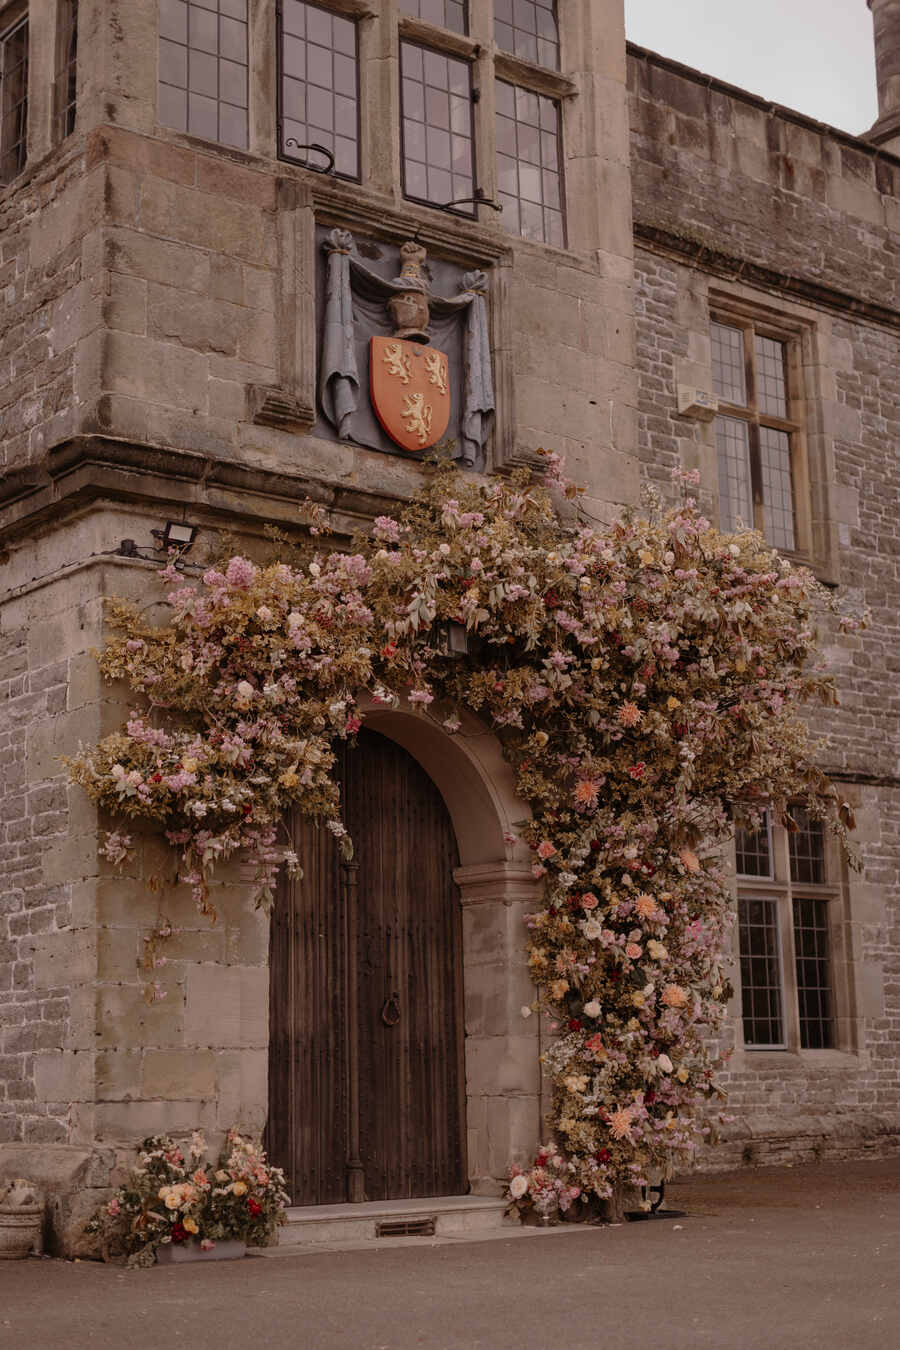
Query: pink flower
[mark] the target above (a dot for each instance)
(630, 715)
(545, 849)
(632, 951)
(423, 696)
(206, 1244)
(240, 572)
(589, 901)
(637, 770)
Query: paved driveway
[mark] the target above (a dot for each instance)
(764, 1260)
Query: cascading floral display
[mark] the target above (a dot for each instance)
(645, 681)
(173, 1194)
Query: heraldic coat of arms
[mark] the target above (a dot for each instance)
(411, 381)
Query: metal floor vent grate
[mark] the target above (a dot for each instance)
(405, 1228)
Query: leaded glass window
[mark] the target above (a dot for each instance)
(529, 164)
(436, 101)
(13, 101)
(64, 85)
(754, 432)
(203, 67)
(319, 87)
(445, 13)
(528, 28)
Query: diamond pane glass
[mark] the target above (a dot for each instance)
(813, 973)
(735, 493)
(528, 164)
(729, 375)
(761, 982)
(529, 29)
(203, 69)
(319, 87)
(445, 13)
(436, 94)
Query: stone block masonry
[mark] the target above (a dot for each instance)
(735, 201)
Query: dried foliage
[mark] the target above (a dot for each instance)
(645, 680)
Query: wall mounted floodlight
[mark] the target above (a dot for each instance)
(177, 535)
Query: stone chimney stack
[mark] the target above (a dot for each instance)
(886, 18)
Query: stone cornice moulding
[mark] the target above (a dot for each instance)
(90, 468)
(707, 258)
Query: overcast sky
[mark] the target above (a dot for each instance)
(816, 56)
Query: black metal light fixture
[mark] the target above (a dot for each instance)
(451, 639)
(176, 535)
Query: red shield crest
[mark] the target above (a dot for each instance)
(410, 387)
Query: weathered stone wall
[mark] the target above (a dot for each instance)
(736, 200)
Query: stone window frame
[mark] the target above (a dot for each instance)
(807, 333)
(779, 889)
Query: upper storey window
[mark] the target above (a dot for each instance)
(203, 69)
(13, 100)
(318, 86)
(444, 13)
(529, 164)
(528, 28)
(756, 435)
(437, 126)
(64, 85)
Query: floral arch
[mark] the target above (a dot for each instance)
(643, 681)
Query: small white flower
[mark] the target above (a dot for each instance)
(526, 1011)
(663, 1062)
(518, 1186)
(593, 1009)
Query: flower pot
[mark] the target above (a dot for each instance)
(20, 1231)
(174, 1253)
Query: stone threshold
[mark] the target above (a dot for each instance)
(379, 1221)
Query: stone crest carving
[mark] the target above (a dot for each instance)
(428, 355)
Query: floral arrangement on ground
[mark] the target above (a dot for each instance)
(645, 680)
(175, 1195)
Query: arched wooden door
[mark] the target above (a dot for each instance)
(394, 949)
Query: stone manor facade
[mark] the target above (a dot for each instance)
(681, 274)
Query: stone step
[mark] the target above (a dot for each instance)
(450, 1215)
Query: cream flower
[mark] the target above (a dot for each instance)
(663, 1062)
(240, 1188)
(593, 1009)
(657, 950)
(620, 1123)
(518, 1186)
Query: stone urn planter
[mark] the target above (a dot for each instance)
(174, 1253)
(21, 1219)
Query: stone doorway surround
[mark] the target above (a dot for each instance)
(497, 890)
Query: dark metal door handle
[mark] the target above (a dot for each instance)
(390, 1012)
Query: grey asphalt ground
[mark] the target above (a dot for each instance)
(764, 1260)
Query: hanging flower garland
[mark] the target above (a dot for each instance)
(644, 680)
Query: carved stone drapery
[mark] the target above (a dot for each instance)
(356, 298)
